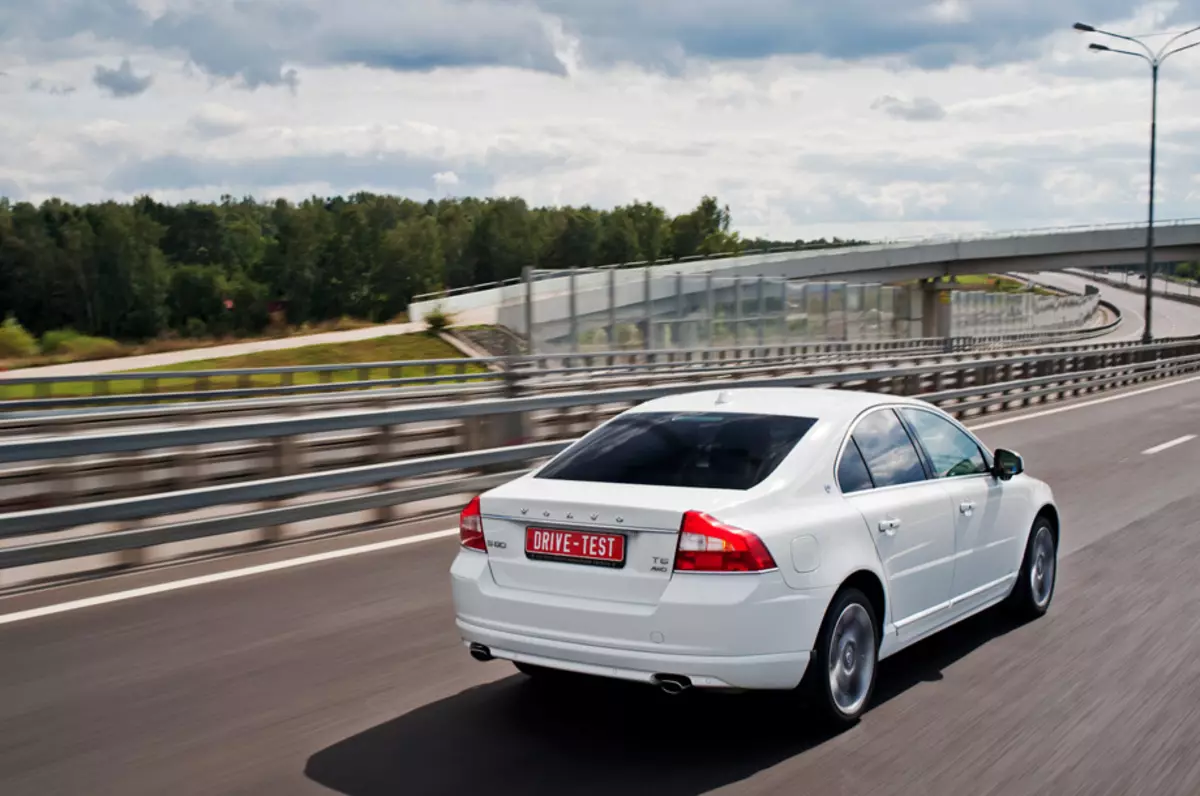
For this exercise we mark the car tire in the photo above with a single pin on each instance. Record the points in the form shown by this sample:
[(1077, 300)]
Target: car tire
[(840, 679), (1034, 589)]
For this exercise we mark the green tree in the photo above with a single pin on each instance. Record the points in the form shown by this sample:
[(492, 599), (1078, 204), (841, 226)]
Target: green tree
[(136, 270), (502, 243), (578, 240), (412, 263), (652, 227), (619, 241), (196, 292)]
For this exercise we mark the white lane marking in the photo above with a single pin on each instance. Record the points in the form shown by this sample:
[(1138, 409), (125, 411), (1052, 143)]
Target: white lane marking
[(1167, 445), (216, 577), (1085, 404)]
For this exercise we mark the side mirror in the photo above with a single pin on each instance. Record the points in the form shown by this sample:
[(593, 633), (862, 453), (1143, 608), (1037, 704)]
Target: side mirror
[(1007, 464)]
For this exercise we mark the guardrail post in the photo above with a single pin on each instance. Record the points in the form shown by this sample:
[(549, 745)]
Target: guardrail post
[(516, 424), (130, 474), (527, 280), (573, 311), (613, 341), (472, 436), (737, 314), (710, 313), (384, 439), (680, 310), (285, 460), (1085, 367), (762, 311), (647, 311), (1040, 369), (188, 462), (63, 473)]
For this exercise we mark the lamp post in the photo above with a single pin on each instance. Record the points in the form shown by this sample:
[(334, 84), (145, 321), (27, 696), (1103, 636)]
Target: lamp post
[(1154, 59)]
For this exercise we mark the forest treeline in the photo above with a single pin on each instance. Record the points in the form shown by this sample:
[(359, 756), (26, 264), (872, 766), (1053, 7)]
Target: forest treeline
[(144, 269)]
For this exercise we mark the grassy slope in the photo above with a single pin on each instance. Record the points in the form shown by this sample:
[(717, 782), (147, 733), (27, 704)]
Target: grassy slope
[(380, 349)]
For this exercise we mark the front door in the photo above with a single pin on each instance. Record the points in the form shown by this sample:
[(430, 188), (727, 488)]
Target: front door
[(983, 537)]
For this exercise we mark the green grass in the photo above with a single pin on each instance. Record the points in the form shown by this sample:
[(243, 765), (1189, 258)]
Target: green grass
[(380, 349), (63, 346), (996, 284)]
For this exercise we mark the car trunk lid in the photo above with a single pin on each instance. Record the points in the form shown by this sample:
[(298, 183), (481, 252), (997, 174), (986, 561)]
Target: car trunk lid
[(591, 540)]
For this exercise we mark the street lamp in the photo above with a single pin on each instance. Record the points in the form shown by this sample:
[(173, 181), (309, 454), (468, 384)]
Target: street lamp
[(1155, 59)]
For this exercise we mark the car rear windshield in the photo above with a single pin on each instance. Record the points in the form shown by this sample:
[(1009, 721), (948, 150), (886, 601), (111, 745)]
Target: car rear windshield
[(684, 449)]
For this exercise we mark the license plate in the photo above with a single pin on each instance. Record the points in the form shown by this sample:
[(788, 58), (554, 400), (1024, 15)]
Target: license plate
[(581, 547)]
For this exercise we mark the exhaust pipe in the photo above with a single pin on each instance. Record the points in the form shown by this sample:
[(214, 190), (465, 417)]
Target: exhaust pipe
[(480, 653), (672, 684)]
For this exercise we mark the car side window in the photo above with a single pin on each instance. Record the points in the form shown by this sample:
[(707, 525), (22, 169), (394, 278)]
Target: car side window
[(888, 451), (852, 472), (953, 452)]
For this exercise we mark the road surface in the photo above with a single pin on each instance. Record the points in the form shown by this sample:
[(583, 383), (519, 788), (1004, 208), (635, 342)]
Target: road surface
[(1171, 318), (344, 675)]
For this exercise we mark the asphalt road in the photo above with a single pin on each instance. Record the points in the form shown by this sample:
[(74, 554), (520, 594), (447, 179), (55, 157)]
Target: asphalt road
[(1171, 318), (345, 676)]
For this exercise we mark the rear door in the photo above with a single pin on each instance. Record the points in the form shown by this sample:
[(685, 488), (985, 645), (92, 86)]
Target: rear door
[(883, 475)]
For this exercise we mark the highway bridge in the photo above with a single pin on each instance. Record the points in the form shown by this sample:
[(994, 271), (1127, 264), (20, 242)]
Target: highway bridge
[(681, 289)]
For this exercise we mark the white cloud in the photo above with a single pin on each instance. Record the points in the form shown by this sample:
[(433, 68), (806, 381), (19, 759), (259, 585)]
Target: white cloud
[(446, 182), (214, 120), (797, 144)]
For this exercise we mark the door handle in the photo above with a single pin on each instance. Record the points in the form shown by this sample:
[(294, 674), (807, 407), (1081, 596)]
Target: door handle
[(888, 525), (966, 507)]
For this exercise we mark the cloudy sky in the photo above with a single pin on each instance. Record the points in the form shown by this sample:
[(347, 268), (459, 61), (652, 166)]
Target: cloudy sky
[(864, 117)]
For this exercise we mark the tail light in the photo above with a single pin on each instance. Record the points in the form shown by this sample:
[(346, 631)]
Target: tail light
[(470, 527), (709, 545)]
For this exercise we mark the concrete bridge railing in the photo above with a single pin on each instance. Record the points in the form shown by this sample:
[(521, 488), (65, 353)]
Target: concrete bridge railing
[(894, 262), (664, 311)]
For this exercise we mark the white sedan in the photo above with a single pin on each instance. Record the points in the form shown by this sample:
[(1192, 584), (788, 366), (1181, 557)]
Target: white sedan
[(767, 538)]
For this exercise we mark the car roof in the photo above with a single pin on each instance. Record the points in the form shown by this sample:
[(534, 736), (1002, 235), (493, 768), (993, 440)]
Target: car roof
[(821, 404)]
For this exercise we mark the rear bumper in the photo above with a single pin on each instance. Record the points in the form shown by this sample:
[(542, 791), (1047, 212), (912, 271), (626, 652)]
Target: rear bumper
[(736, 631), (779, 671)]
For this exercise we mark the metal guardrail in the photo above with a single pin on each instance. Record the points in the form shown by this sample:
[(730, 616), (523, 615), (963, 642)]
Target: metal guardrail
[(141, 440), (83, 420), (326, 379), (970, 388)]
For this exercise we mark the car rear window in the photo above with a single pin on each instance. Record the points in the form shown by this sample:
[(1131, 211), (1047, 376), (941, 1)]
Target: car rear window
[(685, 449)]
